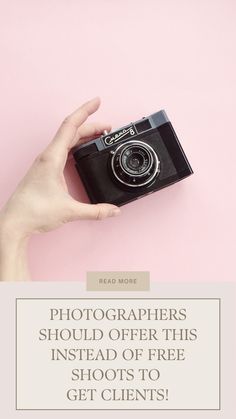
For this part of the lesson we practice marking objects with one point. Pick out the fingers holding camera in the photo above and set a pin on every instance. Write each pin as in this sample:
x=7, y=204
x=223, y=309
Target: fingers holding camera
x=91, y=130
x=81, y=211
x=66, y=133
x=86, y=132
x=73, y=131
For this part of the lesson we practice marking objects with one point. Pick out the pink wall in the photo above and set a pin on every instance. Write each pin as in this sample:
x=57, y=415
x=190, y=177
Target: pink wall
x=139, y=56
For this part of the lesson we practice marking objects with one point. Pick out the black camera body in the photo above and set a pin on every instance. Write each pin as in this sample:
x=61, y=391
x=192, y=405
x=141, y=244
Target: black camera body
x=134, y=161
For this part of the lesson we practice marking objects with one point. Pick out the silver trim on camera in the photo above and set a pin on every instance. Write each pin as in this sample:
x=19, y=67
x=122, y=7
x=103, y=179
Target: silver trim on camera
x=155, y=161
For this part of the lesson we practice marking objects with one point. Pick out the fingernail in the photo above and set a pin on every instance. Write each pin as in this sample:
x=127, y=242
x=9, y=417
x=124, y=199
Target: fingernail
x=114, y=212
x=96, y=98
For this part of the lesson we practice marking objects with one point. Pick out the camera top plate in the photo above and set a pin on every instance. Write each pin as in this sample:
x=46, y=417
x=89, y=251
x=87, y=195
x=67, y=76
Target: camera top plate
x=128, y=131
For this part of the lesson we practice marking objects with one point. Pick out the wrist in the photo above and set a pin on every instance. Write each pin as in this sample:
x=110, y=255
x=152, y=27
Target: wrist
x=13, y=251
x=10, y=231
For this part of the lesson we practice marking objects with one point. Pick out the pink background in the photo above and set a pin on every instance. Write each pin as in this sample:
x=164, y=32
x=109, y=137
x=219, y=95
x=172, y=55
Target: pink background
x=139, y=56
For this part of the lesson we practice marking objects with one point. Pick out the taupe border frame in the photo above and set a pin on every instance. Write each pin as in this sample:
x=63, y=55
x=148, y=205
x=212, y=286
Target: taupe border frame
x=114, y=298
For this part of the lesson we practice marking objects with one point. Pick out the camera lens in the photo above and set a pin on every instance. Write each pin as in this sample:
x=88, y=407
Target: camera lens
x=135, y=160
x=135, y=163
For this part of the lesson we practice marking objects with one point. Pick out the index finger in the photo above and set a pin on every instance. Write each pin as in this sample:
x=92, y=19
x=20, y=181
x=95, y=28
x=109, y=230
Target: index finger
x=66, y=133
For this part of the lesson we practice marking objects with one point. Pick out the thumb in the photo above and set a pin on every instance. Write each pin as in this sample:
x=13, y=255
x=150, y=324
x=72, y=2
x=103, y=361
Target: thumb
x=81, y=211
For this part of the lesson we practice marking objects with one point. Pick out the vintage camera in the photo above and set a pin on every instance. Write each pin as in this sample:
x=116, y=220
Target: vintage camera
x=133, y=161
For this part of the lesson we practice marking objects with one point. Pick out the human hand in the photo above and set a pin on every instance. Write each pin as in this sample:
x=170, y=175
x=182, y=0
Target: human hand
x=41, y=201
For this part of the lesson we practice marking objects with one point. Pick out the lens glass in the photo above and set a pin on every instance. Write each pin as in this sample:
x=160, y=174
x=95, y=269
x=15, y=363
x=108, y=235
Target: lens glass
x=135, y=160
x=135, y=164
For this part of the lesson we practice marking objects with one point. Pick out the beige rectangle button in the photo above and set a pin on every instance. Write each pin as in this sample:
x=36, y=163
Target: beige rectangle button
x=118, y=281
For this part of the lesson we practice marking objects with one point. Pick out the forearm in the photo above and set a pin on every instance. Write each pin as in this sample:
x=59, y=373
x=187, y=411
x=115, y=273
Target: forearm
x=13, y=254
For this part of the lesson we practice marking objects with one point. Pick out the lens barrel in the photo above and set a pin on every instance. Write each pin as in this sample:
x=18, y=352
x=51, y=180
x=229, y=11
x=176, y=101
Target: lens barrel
x=135, y=163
